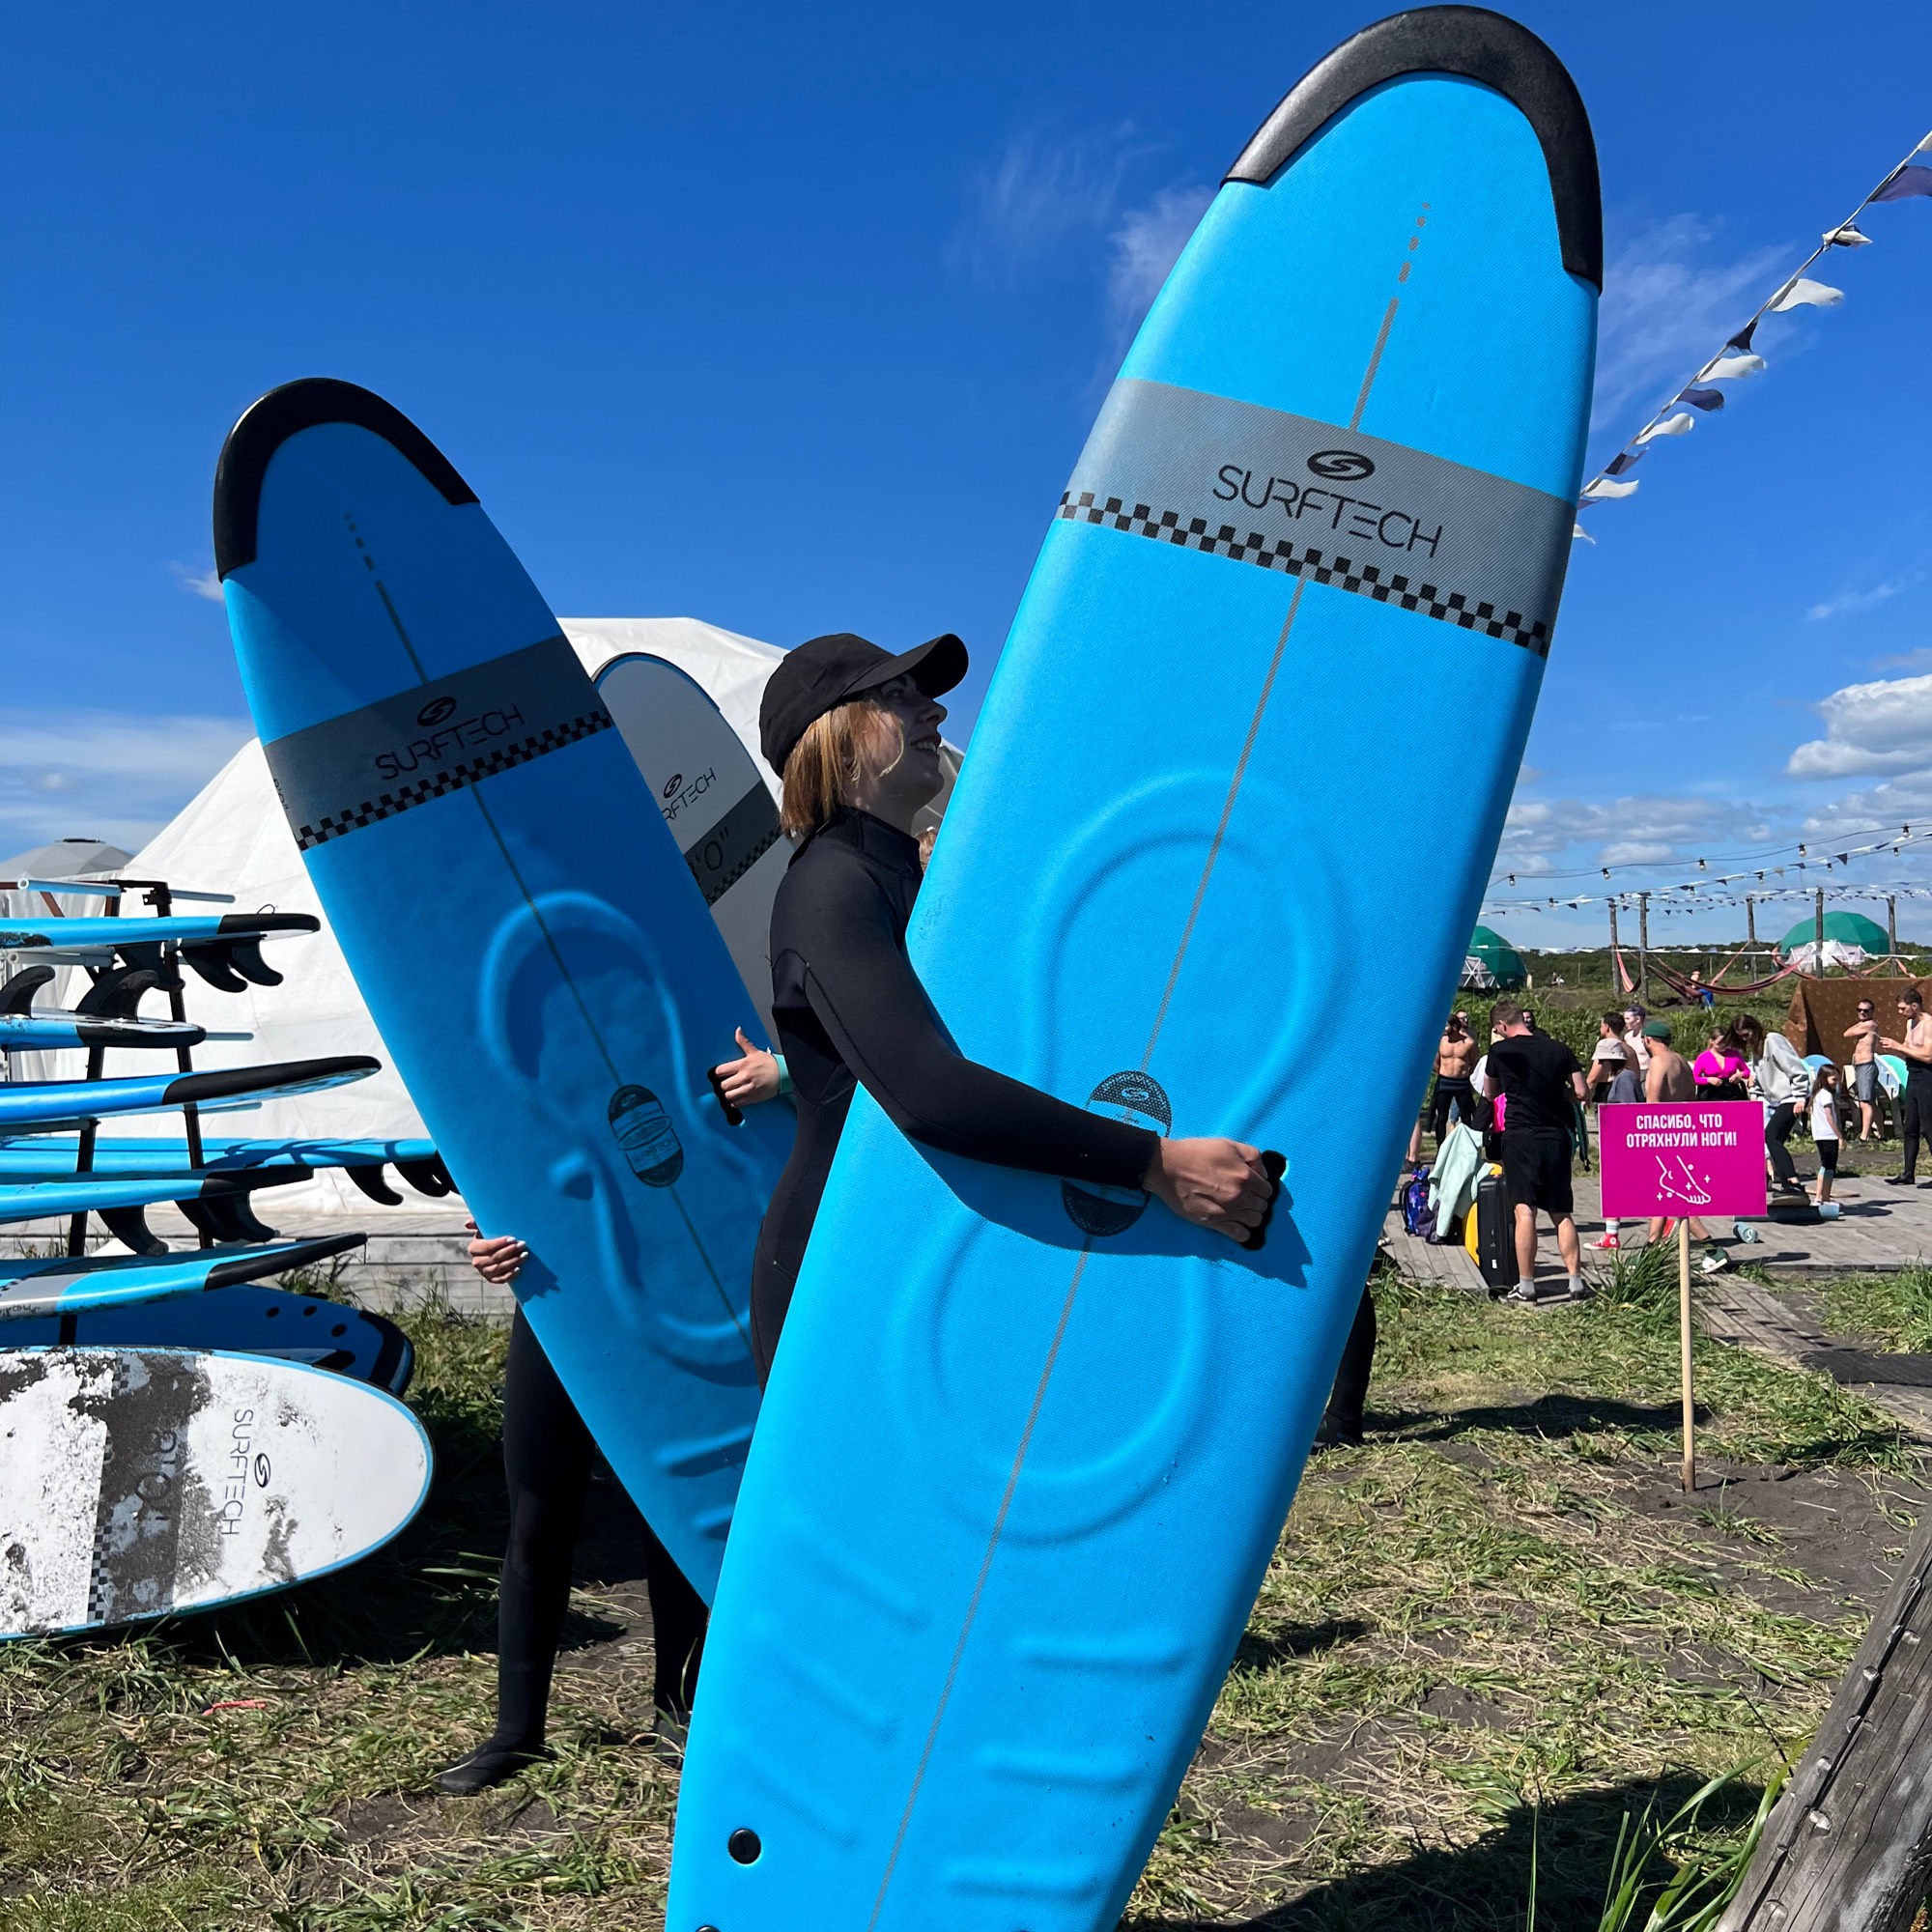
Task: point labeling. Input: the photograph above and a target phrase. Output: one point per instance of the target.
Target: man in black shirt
(1538, 1078)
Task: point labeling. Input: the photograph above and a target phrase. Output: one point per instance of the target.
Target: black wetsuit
(548, 1457)
(1915, 1109)
(848, 1004)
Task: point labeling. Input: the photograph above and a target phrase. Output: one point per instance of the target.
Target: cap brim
(935, 667)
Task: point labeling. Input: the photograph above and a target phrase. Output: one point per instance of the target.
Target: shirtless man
(1455, 1061)
(1916, 1050)
(1863, 1034)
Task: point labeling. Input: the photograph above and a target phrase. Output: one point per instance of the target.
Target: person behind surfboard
(547, 1459)
(853, 732)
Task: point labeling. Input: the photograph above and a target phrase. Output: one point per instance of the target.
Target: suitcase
(1495, 1235)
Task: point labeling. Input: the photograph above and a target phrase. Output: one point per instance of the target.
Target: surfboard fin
(17, 995)
(211, 963)
(226, 1217)
(245, 956)
(129, 1227)
(117, 992)
(426, 1177)
(370, 1181)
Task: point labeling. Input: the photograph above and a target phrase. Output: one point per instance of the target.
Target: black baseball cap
(823, 672)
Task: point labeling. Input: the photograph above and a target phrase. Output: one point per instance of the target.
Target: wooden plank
(1849, 1846)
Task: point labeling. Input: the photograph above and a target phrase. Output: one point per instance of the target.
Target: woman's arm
(865, 993)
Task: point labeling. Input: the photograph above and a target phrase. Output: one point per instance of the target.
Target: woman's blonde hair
(856, 739)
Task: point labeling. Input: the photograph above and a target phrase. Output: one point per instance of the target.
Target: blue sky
(794, 319)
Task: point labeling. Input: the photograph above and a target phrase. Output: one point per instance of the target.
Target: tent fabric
(1491, 962)
(64, 859)
(233, 839)
(1847, 929)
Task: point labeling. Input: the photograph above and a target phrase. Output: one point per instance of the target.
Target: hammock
(1680, 983)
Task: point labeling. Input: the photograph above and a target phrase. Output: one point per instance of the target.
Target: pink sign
(1681, 1158)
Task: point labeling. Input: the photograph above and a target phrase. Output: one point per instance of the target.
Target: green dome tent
(1492, 961)
(1841, 928)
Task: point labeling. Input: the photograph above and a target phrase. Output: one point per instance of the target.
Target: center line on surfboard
(1255, 723)
(556, 952)
(979, 1582)
(1080, 1268)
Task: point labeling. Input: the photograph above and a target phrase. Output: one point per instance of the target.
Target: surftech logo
(438, 708)
(1341, 466)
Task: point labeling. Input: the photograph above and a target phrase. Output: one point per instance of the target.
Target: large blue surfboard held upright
(1027, 1449)
(551, 999)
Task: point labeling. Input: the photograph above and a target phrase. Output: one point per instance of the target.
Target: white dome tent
(233, 839)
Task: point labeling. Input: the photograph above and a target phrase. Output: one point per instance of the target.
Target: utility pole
(1818, 966)
(1643, 946)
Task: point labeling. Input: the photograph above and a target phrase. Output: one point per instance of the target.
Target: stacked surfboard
(172, 1436)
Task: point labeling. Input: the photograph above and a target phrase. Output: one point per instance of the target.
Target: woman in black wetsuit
(854, 733)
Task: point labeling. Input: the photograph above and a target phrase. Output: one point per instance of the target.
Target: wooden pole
(1644, 945)
(1750, 923)
(1892, 924)
(1818, 964)
(1616, 971)
(1684, 1352)
(1849, 1847)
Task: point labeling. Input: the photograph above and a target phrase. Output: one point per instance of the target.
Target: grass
(1492, 1642)
(1893, 1309)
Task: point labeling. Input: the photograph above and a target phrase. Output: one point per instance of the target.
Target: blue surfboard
(48, 1032)
(52, 1104)
(1027, 1449)
(57, 1156)
(440, 754)
(94, 1193)
(303, 1328)
(66, 1285)
(92, 930)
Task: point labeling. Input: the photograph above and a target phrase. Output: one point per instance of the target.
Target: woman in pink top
(1720, 1069)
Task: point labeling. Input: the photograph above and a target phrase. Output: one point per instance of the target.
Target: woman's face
(913, 773)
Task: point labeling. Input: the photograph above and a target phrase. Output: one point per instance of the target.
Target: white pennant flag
(1803, 293)
(1847, 236)
(1601, 487)
(1677, 425)
(1925, 147)
(1578, 530)
(1730, 368)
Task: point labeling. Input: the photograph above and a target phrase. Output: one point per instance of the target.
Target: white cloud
(1039, 193)
(1576, 836)
(1666, 310)
(111, 775)
(1142, 247)
(198, 582)
(1863, 600)
(1884, 725)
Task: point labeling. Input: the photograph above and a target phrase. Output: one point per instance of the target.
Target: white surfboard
(713, 799)
(140, 1483)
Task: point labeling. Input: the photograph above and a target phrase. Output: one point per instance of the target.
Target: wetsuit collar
(869, 835)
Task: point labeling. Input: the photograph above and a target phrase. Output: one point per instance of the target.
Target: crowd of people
(1528, 1095)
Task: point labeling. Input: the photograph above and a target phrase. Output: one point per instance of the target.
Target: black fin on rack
(17, 995)
(370, 1181)
(129, 1227)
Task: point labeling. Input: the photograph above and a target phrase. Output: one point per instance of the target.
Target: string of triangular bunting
(1703, 394)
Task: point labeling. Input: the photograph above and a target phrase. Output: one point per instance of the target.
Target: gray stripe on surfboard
(725, 853)
(1374, 518)
(147, 1490)
(368, 765)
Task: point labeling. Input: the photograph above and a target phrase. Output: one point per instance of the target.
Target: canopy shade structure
(1491, 963)
(1850, 930)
